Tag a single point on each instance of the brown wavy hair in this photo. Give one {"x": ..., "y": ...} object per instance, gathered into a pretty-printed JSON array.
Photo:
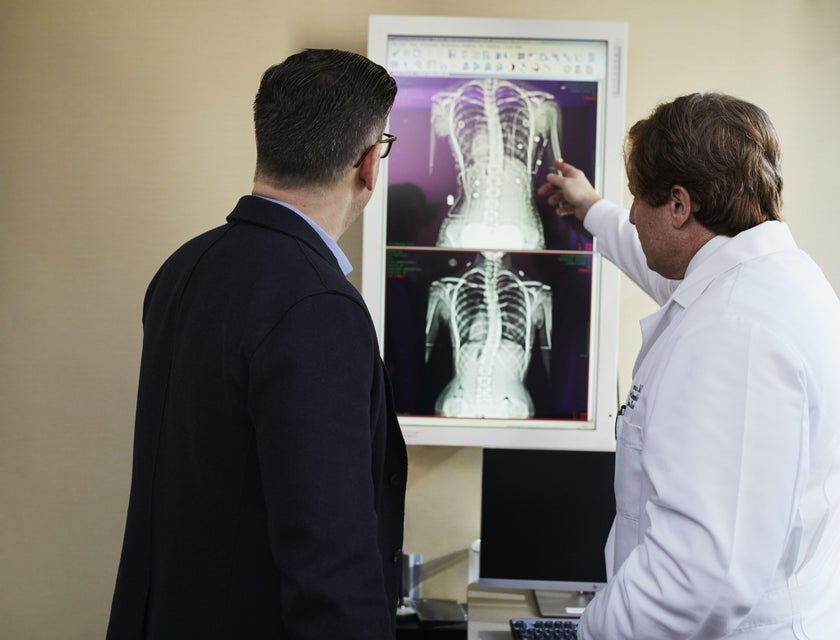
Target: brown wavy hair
[{"x": 722, "y": 150}]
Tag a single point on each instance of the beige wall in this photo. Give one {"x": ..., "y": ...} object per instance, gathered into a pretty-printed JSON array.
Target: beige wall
[{"x": 125, "y": 128}]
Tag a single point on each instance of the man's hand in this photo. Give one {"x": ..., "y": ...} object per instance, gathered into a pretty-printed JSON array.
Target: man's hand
[{"x": 569, "y": 191}]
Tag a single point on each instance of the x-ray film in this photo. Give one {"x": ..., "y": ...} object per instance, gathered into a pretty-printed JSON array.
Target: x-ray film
[
  {"x": 488, "y": 334},
  {"x": 479, "y": 148},
  {"x": 488, "y": 313}
]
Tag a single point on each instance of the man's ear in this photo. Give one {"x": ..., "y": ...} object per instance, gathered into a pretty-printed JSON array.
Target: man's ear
[
  {"x": 682, "y": 206},
  {"x": 369, "y": 169}
]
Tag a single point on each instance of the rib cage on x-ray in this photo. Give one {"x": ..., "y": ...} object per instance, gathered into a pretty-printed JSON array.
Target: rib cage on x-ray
[
  {"x": 494, "y": 319},
  {"x": 497, "y": 131}
]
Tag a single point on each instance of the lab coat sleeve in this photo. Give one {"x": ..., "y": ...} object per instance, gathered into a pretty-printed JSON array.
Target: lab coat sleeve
[
  {"x": 725, "y": 454},
  {"x": 618, "y": 241}
]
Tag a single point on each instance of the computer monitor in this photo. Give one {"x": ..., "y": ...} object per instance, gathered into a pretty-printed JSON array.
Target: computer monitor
[
  {"x": 545, "y": 518},
  {"x": 498, "y": 319}
]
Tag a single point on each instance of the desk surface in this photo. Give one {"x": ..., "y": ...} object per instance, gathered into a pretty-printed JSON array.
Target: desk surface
[{"x": 490, "y": 611}]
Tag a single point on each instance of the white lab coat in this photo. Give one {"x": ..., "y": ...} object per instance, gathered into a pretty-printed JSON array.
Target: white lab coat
[{"x": 728, "y": 448}]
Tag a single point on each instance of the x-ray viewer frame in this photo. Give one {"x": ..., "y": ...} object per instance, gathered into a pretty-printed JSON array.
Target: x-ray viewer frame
[{"x": 463, "y": 263}]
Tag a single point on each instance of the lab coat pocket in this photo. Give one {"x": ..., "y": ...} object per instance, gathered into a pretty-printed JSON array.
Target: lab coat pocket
[{"x": 628, "y": 469}]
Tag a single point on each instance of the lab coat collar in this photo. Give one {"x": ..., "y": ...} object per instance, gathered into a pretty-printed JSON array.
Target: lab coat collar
[
  {"x": 717, "y": 256},
  {"x": 722, "y": 253}
]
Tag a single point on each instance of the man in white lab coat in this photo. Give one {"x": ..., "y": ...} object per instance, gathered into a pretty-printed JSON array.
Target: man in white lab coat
[{"x": 728, "y": 445}]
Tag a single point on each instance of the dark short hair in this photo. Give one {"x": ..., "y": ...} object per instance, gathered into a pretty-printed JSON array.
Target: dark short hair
[
  {"x": 722, "y": 150},
  {"x": 315, "y": 113}
]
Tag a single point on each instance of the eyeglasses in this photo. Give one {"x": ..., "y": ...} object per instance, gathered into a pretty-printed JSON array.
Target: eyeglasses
[{"x": 387, "y": 139}]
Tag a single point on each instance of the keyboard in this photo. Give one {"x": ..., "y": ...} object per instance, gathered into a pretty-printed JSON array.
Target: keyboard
[{"x": 544, "y": 628}]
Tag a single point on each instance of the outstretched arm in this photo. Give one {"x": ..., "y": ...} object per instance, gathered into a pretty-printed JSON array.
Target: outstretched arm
[{"x": 569, "y": 191}]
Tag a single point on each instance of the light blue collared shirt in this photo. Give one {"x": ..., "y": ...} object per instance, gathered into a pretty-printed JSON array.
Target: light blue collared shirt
[{"x": 343, "y": 262}]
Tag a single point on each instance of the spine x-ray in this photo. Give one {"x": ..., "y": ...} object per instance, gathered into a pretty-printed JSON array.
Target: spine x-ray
[
  {"x": 497, "y": 132},
  {"x": 495, "y": 318},
  {"x": 481, "y": 276}
]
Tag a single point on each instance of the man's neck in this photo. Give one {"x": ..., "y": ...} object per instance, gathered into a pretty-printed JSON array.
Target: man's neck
[
  {"x": 692, "y": 237},
  {"x": 322, "y": 205}
]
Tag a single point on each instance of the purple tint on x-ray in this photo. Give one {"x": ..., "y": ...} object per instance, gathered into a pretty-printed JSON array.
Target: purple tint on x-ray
[{"x": 423, "y": 161}]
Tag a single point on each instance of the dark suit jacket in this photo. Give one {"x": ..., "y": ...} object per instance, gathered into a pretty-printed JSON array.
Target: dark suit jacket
[{"x": 268, "y": 485}]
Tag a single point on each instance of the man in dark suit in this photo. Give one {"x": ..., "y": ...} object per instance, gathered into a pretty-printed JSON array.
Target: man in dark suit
[{"x": 269, "y": 474}]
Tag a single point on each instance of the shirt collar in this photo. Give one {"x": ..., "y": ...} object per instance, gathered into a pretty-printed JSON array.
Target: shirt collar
[{"x": 332, "y": 245}]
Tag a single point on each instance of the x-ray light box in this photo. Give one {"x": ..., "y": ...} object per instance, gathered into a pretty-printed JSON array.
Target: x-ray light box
[{"x": 498, "y": 319}]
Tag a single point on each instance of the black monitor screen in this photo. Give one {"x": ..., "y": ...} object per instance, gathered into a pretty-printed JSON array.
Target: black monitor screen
[{"x": 545, "y": 517}]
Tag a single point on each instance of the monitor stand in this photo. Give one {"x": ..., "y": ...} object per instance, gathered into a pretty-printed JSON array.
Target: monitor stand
[{"x": 562, "y": 604}]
